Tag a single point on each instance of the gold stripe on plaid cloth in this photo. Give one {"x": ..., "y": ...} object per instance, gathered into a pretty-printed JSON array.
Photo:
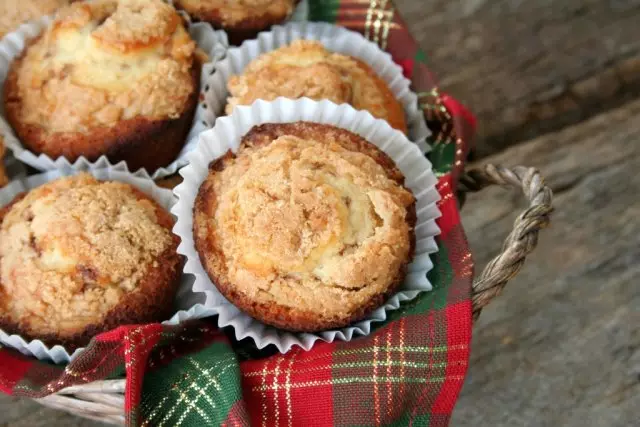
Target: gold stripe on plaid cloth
[
  {"x": 276, "y": 387},
  {"x": 379, "y": 18},
  {"x": 368, "y": 364},
  {"x": 402, "y": 349},
  {"x": 369, "y": 380},
  {"x": 407, "y": 349},
  {"x": 375, "y": 15},
  {"x": 131, "y": 348},
  {"x": 376, "y": 393},
  {"x": 189, "y": 382},
  {"x": 389, "y": 366},
  {"x": 431, "y": 103},
  {"x": 171, "y": 351},
  {"x": 402, "y": 357},
  {"x": 264, "y": 396},
  {"x": 288, "y": 388}
]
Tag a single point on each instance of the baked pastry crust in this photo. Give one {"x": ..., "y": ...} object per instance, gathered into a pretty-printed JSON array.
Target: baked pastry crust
[
  {"x": 112, "y": 77},
  {"x": 242, "y": 19},
  {"x": 306, "y": 69},
  {"x": 13, "y": 13},
  {"x": 308, "y": 227},
  {"x": 79, "y": 257}
]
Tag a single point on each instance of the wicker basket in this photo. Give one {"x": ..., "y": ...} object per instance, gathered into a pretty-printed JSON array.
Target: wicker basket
[{"x": 104, "y": 400}]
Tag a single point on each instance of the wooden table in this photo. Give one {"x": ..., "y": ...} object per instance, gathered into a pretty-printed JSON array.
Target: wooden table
[{"x": 554, "y": 85}]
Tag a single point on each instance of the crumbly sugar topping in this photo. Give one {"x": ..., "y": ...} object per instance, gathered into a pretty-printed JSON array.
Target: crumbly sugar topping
[
  {"x": 309, "y": 225},
  {"x": 306, "y": 69},
  {"x": 106, "y": 61},
  {"x": 13, "y": 13},
  {"x": 71, "y": 249}
]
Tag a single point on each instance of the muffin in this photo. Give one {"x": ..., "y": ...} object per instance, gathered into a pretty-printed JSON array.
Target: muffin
[
  {"x": 4, "y": 179},
  {"x": 306, "y": 228},
  {"x": 110, "y": 77},
  {"x": 306, "y": 69},
  {"x": 241, "y": 19},
  {"x": 79, "y": 256},
  {"x": 13, "y": 13}
]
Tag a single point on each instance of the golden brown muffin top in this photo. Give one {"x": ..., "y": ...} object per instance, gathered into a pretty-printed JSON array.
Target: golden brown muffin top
[
  {"x": 106, "y": 61},
  {"x": 234, "y": 12},
  {"x": 13, "y": 13},
  {"x": 306, "y": 69},
  {"x": 71, "y": 249},
  {"x": 309, "y": 223}
]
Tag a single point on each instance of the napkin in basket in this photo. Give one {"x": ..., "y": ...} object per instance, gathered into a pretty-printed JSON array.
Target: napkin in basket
[{"x": 408, "y": 371}]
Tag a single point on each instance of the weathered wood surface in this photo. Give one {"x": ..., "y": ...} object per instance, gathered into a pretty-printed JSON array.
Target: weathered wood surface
[
  {"x": 561, "y": 346},
  {"x": 527, "y": 67}
]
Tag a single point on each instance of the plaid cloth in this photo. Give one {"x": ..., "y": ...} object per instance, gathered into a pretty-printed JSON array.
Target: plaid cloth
[{"x": 408, "y": 371}]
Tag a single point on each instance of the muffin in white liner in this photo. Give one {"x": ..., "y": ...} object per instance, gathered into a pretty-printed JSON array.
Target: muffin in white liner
[
  {"x": 213, "y": 43},
  {"x": 300, "y": 13},
  {"x": 335, "y": 39},
  {"x": 188, "y": 303},
  {"x": 227, "y": 134}
]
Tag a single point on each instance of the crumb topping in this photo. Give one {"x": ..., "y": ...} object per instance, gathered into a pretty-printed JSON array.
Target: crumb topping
[
  {"x": 106, "y": 61},
  {"x": 13, "y": 13},
  {"x": 306, "y": 223},
  {"x": 233, "y": 12},
  {"x": 306, "y": 69},
  {"x": 71, "y": 249}
]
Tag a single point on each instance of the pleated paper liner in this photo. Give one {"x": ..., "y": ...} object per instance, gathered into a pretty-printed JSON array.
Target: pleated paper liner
[
  {"x": 213, "y": 43},
  {"x": 335, "y": 39},
  {"x": 187, "y": 302},
  {"x": 226, "y": 135}
]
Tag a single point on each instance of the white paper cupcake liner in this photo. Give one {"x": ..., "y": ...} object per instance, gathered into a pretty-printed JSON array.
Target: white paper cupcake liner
[
  {"x": 213, "y": 43},
  {"x": 226, "y": 135},
  {"x": 189, "y": 304},
  {"x": 335, "y": 39},
  {"x": 301, "y": 12}
]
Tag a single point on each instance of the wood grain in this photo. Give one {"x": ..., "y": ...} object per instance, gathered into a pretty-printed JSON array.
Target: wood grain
[
  {"x": 561, "y": 346},
  {"x": 529, "y": 67}
]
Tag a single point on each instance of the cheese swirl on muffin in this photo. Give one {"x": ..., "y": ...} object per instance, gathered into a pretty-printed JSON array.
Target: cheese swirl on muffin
[
  {"x": 307, "y": 227},
  {"x": 106, "y": 76}
]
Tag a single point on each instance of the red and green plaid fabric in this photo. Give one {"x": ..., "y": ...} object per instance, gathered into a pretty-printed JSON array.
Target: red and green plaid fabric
[{"x": 408, "y": 371}]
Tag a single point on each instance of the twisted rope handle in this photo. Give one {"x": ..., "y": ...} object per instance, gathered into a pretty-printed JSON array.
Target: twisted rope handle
[{"x": 523, "y": 238}]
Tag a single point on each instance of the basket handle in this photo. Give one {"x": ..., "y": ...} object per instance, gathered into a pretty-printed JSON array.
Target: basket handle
[{"x": 523, "y": 238}]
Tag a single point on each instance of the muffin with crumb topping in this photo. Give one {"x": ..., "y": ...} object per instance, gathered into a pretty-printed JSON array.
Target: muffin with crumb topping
[
  {"x": 80, "y": 256},
  {"x": 305, "y": 68},
  {"x": 241, "y": 19},
  {"x": 109, "y": 77},
  {"x": 307, "y": 227}
]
